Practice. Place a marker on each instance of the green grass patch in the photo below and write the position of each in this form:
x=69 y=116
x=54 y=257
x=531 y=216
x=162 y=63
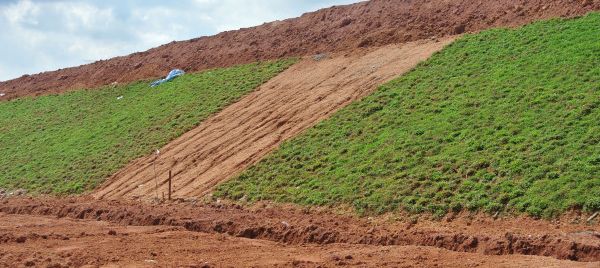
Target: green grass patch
x=69 y=143
x=503 y=120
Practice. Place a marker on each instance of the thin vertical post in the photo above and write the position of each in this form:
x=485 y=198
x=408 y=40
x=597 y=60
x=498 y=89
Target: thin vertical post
x=170 y=178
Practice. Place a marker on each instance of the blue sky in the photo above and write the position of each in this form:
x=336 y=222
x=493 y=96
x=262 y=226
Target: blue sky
x=44 y=35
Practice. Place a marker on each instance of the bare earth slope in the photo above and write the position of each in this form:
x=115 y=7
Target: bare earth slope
x=244 y=132
x=366 y=24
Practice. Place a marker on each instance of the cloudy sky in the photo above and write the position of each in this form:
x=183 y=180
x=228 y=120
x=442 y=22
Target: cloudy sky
x=43 y=35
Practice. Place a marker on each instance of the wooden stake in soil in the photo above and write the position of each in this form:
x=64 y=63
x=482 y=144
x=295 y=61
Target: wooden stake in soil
x=170 y=177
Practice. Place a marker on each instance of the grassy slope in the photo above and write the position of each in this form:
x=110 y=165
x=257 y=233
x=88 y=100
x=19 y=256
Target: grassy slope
x=68 y=143
x=501 y=120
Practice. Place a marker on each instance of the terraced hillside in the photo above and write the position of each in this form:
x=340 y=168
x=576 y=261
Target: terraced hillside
x=69 y=143
x=504 y=120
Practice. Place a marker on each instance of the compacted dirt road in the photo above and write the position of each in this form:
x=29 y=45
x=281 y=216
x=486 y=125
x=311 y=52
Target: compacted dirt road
x=80 y=232
x=244 y=132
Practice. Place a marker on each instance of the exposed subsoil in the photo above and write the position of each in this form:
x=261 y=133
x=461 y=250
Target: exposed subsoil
x=76 y=232
x=51 y=242
x=244 y=132
x=367 y=24
x=85 y=231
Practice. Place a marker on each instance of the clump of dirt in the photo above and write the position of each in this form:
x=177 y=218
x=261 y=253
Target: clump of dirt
x=366 y=24
x=295 y=226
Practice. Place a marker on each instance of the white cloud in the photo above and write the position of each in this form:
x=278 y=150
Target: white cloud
x=84 y=16
x=22 y=12
x=46 y=35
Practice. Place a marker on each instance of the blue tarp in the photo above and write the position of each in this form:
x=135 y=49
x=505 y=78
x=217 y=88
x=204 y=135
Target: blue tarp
x=170 y=76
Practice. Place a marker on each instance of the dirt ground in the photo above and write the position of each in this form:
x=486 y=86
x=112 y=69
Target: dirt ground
x=368 y=24
x=247 y=130
x=83 y=231
x=44 y=241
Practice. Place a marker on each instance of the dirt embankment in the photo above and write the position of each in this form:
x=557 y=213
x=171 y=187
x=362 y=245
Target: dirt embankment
x=43 y=241
x=247 y=130
x=366 y=24
x=298 y=227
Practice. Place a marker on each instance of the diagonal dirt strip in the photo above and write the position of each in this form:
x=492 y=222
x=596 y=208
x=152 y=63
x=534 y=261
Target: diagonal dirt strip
x=241 y=134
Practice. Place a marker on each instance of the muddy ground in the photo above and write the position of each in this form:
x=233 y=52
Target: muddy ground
x=83 y=231
x=367 y=24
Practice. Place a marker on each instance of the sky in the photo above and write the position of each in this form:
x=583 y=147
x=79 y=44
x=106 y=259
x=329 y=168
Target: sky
x=45 y=35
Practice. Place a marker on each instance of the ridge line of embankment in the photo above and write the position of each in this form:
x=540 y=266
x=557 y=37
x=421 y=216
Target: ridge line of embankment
x=366 y=24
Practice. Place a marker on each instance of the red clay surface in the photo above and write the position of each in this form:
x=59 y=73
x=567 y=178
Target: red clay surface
x=367 y=24
x=247 y=130
x=51 y=242
x=80 y=231
x=84 y=231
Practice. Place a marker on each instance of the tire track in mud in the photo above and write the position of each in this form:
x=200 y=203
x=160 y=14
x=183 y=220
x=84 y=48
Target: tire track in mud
x=244 y=132
x=290 y=225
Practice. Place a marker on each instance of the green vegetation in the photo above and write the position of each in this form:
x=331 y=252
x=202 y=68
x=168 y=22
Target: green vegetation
x=505 y=120
x=69 y=143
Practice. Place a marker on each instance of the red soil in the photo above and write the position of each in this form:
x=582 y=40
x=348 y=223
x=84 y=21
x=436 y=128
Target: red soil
x=302 y=236
x=83 y=231
x=244 y=132
x=51 y=242
x=366 y=24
